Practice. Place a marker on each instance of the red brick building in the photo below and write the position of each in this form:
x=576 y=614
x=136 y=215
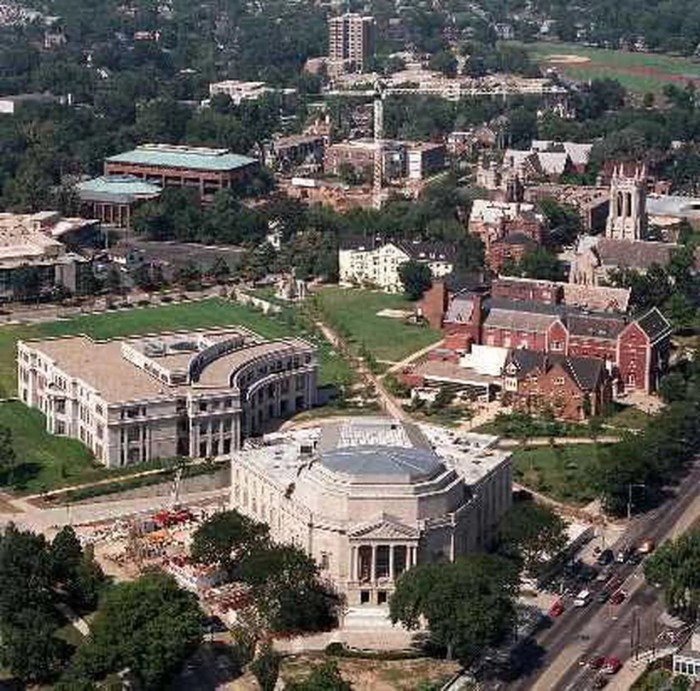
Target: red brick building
x=636 y=351
x=203 y=169
x=570 y=388
x=506 y=229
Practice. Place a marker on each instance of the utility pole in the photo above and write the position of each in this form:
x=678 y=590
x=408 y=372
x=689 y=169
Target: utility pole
x=630 y=485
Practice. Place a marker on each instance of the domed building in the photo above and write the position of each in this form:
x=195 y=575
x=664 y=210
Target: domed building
x=370 y=497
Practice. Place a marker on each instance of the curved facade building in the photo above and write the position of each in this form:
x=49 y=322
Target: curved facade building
x=191 y=394
x=370 y=497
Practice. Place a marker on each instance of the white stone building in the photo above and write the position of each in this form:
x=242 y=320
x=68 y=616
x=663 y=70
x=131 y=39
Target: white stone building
x=191 y=394
x=362 y=262
x=370 y=497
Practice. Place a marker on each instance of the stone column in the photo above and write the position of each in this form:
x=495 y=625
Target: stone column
x=391 y=562
x=373 y=574
x=353 y=560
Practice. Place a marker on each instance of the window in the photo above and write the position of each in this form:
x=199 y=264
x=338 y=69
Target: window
x=60 y=406
x=227 y=446
x=381 y=597
x=557 y=345
x=203 y=406
x=60 y=427
x=364 y=597
x=325 y=561
x=559 y=381
x=202 y=449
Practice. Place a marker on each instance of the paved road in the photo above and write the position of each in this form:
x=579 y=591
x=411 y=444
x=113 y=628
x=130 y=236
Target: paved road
x=604 y=629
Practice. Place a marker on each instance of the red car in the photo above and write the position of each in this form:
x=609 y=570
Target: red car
x=612 y=665
x=556 y=609
x=618 y=597
x=596 y=662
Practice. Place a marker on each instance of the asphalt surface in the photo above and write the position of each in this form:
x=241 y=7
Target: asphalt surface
x=605 y=629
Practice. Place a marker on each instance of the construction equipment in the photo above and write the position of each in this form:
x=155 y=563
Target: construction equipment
x=379 y=96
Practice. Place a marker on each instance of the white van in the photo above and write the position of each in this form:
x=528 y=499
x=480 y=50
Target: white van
x=582 y=599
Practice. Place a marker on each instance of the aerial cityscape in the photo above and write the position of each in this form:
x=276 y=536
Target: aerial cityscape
x=349 y=345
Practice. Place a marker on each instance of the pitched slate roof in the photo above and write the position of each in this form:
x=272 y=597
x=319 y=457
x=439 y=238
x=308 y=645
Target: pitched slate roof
x=655 y=325
x=585 y=372
x=595 y=326
x=639 y=254
x=428 y=251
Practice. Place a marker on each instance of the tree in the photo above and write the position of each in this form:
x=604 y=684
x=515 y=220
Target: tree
x=444 y=61
x=150 y=626
x=564 y=222
x=226 y=538
x=675 y=566
x=65 y=553
x=29 y=647
x=416 y=278
x=323 y=677
x=540 y=264
x=287 y=589
x=8 y=458
x=469 y=603
x=266 y=668
x=673 y=387
x=88 y=581
x=533 y=533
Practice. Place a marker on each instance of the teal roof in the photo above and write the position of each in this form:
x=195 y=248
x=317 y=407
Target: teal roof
x=195 y=158
x=116 y=188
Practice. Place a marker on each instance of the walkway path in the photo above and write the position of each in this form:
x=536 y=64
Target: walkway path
x=506 y=443
x=386 y=400
x=398 y=366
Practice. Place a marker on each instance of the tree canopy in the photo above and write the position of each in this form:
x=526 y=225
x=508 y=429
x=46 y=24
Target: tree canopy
x=416 y=278
x=469 y=604
x=150 y=626
x=533 y=533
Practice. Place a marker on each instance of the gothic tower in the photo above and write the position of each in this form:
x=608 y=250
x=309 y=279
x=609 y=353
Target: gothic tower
x=627 y=217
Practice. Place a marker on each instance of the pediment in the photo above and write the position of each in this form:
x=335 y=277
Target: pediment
x=383 y=529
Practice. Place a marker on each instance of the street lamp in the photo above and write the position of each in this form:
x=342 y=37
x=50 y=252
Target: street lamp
x=630 y=485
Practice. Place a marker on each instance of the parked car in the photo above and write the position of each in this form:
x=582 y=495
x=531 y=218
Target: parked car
x=596 y=662
x=612 y=665
x=605 y=557
x=647 y=547
x=624 y=554
x=582 y=599
x=603 y=596
x=600 y=681
x=556 y=609
x=618 y=597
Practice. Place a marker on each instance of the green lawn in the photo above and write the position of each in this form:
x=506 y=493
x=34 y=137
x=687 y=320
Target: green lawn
x=353 y=313
x=637 y=72
x=47 y=462
x=628 y=417
x=564 y=473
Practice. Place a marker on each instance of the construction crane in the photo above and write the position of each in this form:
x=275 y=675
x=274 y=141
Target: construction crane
x=378 y=94
x=377 y=179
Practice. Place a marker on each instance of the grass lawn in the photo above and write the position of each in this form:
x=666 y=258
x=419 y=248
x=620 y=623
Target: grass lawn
x=637 y=72
x=628 y=417
x=564 y=473
x=47 y=462
x=353 y=313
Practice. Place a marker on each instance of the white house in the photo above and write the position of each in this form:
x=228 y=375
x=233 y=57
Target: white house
x=366 y=262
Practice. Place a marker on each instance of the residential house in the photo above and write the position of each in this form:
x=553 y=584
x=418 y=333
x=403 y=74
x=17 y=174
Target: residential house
x=570 y=388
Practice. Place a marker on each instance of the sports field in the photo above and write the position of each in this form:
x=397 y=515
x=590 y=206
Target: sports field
x=637 y=72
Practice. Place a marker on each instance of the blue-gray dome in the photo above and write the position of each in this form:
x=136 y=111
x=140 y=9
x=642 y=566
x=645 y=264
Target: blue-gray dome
x=383 y=464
